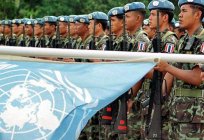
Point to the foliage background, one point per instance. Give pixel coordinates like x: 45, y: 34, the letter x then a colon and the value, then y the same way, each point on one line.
x: 11, y: 9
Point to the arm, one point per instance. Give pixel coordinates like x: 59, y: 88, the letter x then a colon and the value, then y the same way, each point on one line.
x: 189, y: 76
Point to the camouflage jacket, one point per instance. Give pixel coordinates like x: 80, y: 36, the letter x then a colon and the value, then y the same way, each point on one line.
x: 139, y: 41
x: 169, y: 42
x: 191, y: 45
x: 118, y: 43
x: 100, y: 42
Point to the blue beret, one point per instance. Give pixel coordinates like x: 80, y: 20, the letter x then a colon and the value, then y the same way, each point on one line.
x: 6, y: 22
x: 82, y: 19
x: 161, y: 5
x: 134, y: 6
x: 29, y: 22
x: 63, y: 18
x: 116, y: 11
x: 51, y: 19
x: 71, y: 18
x: 98, y: 16
x: 146, y: 22
x: 195, y: 2
x: 16, y: 21
x: 23, y: 21
x: 39, y: 21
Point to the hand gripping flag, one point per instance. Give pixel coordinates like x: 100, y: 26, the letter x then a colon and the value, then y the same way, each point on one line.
x: 53, y: 101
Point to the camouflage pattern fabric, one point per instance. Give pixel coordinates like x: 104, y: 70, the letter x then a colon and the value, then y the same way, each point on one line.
x: 187, y: 113
x: 139, y: 42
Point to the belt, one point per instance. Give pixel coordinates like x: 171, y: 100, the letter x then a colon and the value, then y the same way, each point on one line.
x: 198, y: 93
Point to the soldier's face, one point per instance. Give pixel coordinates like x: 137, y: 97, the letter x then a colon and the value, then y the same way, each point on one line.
x: 29, y: 30
x: 116, y: 24
x: 82, y: 28
x: 91, y: 27
x: 20, y: 28
x: 15, y: 28
x: 153, y: 19
x: 72, y: 29
x: 49, y: 29
x: 63, y: 26
x: 38, y: 29
x: 186, y: 17
x: 7, y: 29
x: 130, y: 18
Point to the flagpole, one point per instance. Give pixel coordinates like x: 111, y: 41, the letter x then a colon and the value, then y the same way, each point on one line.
x: 96, y: 54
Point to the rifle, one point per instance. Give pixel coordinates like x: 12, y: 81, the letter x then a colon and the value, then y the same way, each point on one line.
x: 107, y: 112
x: 22, y: 43
x: 92, y: 43
x: 120, y: 125
x: 12, y: 40
x: 69, y: 37
x: 42, y: 41
x: 109, y: 42
x: 153, y: 127
x: 57, y: 41
x: 32, y: 42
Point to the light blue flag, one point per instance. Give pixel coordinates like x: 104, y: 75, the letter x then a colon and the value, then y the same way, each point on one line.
x: 40, y: 100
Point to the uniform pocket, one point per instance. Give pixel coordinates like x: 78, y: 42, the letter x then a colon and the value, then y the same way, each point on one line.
x: 183, y: 109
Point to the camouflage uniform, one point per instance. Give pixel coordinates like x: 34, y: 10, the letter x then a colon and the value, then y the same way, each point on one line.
x: 139, y: 41
x: 186, y: 108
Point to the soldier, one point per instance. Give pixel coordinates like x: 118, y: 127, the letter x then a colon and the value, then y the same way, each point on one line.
x: 116, y: 16
x: 15, y: 32
x: 22, y: 37
x: 29, y: 32
x: 97, y: 26
x: 50, y: 31
x: 203, y: 22
x: 7, y: 31
x: 38, y: 31
x: 75, y: 39
x: 150, y: 32
x: 134, y: 14
x: 82, y: 23
x: 168, y: 45
x: 186, y: 108
x: 178, y: 31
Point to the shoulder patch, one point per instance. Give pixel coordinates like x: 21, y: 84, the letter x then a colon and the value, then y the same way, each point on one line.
x: 202, y: 48
x: 141, y: 46
x: 169, y: 48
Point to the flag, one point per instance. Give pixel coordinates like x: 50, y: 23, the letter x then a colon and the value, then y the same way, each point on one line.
x: 52, y: 101
x: 169, y: 48
x: 141, y: 46
x: 202, y: 48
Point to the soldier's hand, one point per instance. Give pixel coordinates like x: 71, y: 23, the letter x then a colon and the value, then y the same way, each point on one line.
x: 129, y: 106
x: 162, y: 66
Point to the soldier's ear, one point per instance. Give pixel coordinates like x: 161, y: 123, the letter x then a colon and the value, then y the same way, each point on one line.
x: 198, y: 14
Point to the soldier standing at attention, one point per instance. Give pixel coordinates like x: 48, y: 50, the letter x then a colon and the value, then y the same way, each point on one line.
x: 134, y: 16
x: 7, y: 31
x: 97, y: 26
x: 50, y: 31
x: 186, y: 108
x: 29, y: 30
x: 38, y: 31
x: 82, y: 23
